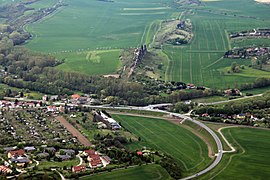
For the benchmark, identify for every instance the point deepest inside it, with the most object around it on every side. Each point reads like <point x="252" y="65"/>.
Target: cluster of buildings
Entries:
<point x="95" y="160"/>
<point x="260" y="32"/>
<point x="6" y="105"/>
<point x="105" y="121"/>
<point x="248" y="52"/>
<point x="18" y="156"/>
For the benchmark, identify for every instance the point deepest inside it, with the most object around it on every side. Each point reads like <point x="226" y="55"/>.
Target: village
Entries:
<point x="37" y="137"/>
<point x="259" y="32"/>
<point x="247" y="52"/>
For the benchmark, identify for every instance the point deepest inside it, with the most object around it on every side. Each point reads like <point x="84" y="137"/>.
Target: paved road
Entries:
<point x="231" y="100"/>
<point x="152" y="108"/>
<point x="213" y="134"/>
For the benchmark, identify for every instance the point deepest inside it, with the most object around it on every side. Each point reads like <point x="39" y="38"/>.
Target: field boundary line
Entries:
<point x="171" y="145"/>
<point x="227" y="36"/>
<point x="220" y="32"/>
<point x="227" y="142"/>
<point x="231" y="157"/>
<point x="213" y="63"/>
<point x="175" y="149"/>
<point x="215" y="41"/>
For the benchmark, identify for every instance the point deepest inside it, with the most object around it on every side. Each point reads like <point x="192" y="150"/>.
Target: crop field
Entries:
<point x="201" y="61"/>
<point x="91" y="62"/>
<point x="188" y="149"/>
<point x="149" y="172"/>
<point x="96" y="25"/>
<point x="76" y="28"/>
<point x="251" y="159"/>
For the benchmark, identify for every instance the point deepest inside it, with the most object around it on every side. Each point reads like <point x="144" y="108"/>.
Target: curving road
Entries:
<point x="152" y="108"/>
<point x="213" y="134"/>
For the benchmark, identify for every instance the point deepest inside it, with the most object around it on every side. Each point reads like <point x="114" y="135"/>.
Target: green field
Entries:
<point x="252" y="158"/>
<point x="123" y="24"/>
<point x="96" y="25"/>
<point x="149" y="172"/>
<point x="187" y="149"/>
<point x="91" y="62"/>
<point x="200" y="62"/>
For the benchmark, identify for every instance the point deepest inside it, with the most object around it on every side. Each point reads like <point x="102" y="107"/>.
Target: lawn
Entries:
<point x="187" y="149"/>
<point x="252" y="158"/>
<point x="149" y="172"/>
<point x="91" y="62"/>
<point x="49" y="164"/>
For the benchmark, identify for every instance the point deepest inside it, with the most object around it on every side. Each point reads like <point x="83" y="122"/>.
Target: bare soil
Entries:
<point x="83" y="140"/>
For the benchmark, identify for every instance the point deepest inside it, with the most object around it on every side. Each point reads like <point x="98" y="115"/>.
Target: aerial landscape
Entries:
<point x="127" y="90"/>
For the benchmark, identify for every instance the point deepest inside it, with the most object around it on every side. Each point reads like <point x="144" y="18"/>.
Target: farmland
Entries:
<point x="91" y="62"/>
<point x="188" y="150"/>
<point x="77" y="26"/>
<point x="141" y="172"/>
<point x="75" y="31"/>
<point x="201" y="61"/>
<point x="251" y="158"/>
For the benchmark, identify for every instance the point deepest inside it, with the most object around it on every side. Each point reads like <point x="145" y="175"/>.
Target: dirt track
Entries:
<point x="83" y="140"/>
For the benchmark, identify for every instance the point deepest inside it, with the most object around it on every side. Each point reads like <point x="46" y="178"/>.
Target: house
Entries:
<point x="42" y="155"/>
<point x="16" y="153"/>
<point x="54" y="98"/>
<point x="29" y="148"/>
<point x="21" y="161"/>
<point x="83" y="100"/>
<point x="45" y="98"/>
<point x="69" y="152"/>
<point x="139" y="153"/>
<point x="232" y="92"/>
<point x="51" y="108"/>
<point x="241" y="116"/>
<point x="89" y="152"/>
<point x="63" y="157"/>
<point x="101" y="125"/>
<point x="7" y="149"/>
<point x="50" y="149"/>
<point x="5" y="170"/>
<point x="75" y="96"/>
<point x="78" y="168"/>
<point x="94" y="161"/>
<point x="105" y="160"/>
<point x="205" y="115"/>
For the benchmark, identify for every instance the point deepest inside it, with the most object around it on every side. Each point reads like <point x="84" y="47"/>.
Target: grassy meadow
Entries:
<point x="91" y="62"/>
<point x="149" y="172"/>
<point x="187" y="149"/>
<point x="251" y="161"/>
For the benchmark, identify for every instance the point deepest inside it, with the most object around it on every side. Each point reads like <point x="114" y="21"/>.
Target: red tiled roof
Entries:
<point x="75" y="96"/>
<point x="139" y="153"/>
<point x="78" y="168"/>
<point x="19" y="152"/>
<point x="90" y="152"/>
<point x="5" y="169"/>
